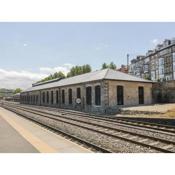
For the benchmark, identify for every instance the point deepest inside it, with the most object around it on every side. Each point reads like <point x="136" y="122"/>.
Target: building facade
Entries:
<point x="157" y="64"/>
<point x="104" y="91"/>
<point x="123" y="69"/>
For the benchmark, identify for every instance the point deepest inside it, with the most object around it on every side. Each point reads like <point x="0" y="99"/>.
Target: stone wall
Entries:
<point x="80" y="107"/>
<point x="164" y="92"/>
<point x="130" y="94"/>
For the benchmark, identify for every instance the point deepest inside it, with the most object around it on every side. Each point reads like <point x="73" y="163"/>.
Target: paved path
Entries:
<point x="19" y="135"/>
<point x="12" y="141"/>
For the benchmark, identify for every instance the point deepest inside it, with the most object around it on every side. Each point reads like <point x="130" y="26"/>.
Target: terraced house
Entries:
<point x="103" y="91"/>
<point x="158" y="64"/>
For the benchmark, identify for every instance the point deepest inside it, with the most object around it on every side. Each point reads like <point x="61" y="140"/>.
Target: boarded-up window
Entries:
<point x="36" y="98"/>
<point x="51" y="97"/>
<point x="43" y="97"/>
<point x="78" y="93"/>
<point x="63" y="97"/>
<point x="57" y="97"/>
<point x="141" y="95"/>
<point x="120" y="95"/>
<point x="70" y="96"/>
<point x="47" y="97"/>
<point x="97" y="95"/>
<point x="88" y="95"/>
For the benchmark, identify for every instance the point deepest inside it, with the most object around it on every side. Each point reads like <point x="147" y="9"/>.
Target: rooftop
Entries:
<point x="107" y="74"/>
<point x="45" y="82"/>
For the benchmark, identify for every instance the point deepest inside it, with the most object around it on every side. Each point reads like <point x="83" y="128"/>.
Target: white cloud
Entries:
<point x="48" y="70"/>
<point x="24" y="79"/>
<point x="155" y="42"/>
<point x="25" y="44"/>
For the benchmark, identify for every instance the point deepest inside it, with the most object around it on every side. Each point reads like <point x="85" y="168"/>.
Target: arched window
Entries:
<point x="33" y="99"/>
<point x="63" y="97"/>
<point x="141" y="94"/>
<point x="51" y="97"/>
<point x="70" y="96"/>
<point x="36" y="99"/>
<point x="88" y="95"/>
<point x="47" y="96"/>
<point x="120" y="95"/>
<point x="57" y="97"/>
<point x="97" y="95"/>
<point x="43" y="97"/>
<point x="78" y="93"/>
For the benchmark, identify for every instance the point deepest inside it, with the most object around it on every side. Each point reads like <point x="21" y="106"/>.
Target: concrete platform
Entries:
<point x="19" y="135"/>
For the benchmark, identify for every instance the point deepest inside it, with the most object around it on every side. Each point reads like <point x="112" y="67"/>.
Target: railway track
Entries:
<point x="129" y="122"/>
<point x="155" y="143"/>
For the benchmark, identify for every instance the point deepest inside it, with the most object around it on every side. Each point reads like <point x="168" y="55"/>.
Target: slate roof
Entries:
<point x="107" y="74"/>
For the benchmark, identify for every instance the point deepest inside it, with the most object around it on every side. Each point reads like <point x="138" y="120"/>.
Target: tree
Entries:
<point x="53" y="76"/>
<point x="111" y="66"/>
<point x="104" y="66"/>
<point x="58" y="75"/>
<point x="87" y="68"/>
<point x="78" y="70"/>
<point x="17" y="90"/>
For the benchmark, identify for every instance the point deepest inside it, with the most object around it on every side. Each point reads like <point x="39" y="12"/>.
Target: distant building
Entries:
<point x="16" y="97"/>
<point x="123" y="69"/>
<point x="6" y="92"/>
<point x="158" y="64"/>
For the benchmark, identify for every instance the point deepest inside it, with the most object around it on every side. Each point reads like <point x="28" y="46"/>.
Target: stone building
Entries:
<point x="103" y="91"/>
<point x="123" y="69"/>
<point x="158" y="64"/>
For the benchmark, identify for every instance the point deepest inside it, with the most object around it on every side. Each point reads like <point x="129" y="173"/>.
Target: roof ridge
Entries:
<point x="107" y="70"/>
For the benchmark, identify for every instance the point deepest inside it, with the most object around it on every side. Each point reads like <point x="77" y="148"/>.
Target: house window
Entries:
<point x="57" y="97"/>
<point x="43" y="97"/>
<point x="78" y="93"/>
<point x="88" y="95"/>
<point x="141" y="95"/>
<point x="47" y="97"/>
<point x="51" y="97"/>
<point x="63" y="97"/>
<point x="97" y="95"/>
<point x="120" y="95"/>
<point x="70" y="96"/>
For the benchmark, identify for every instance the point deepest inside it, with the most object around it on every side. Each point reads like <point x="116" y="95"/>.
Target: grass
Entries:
<point x="169" y="114"/>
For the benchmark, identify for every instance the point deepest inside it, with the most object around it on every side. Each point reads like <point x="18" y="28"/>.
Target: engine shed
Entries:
<point x="103" y="91"/>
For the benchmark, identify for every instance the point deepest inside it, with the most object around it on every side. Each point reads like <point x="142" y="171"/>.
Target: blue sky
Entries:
<point x="41" y="48"/>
